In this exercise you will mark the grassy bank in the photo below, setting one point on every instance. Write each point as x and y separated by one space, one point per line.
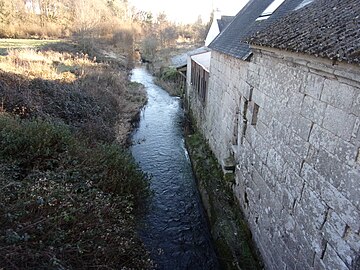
9 43
228 227
70 193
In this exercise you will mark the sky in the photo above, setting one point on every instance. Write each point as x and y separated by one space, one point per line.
187 11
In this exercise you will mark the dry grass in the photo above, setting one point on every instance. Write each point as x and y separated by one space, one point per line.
95 98
33 30
47 65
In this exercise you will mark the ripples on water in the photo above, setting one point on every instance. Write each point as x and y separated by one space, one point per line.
176 230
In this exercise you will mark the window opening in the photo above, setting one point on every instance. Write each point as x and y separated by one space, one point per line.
236 127
270 10
244 119
255 114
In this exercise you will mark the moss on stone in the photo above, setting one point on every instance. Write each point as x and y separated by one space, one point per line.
229 230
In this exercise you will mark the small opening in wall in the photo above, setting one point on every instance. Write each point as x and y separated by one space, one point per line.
246 199
255 114
236 127
244 119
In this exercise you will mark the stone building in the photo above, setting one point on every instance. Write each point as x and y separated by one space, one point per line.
187 62
180 63
287 110
218 25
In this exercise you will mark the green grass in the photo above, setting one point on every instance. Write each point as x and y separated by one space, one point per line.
9 43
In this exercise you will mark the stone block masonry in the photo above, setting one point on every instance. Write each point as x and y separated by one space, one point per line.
294 133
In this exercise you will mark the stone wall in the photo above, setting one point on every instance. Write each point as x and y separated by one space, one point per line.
217 117
292 124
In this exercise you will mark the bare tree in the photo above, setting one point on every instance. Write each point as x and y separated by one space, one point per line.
199 30
119 9
149 46
10 10
88 14
170 34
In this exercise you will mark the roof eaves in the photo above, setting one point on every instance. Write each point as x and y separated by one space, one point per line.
310 31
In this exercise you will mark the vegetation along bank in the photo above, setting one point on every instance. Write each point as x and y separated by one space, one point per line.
229 229
70 193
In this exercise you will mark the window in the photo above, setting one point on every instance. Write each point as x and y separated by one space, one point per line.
270 10
236 127
203 88
254 114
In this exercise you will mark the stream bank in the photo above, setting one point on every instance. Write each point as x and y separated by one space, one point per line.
70 194
228 228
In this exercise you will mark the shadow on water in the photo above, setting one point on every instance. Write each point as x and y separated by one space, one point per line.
176 230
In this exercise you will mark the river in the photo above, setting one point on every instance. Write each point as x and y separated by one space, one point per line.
176 230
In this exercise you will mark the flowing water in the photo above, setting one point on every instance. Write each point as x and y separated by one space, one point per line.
176 230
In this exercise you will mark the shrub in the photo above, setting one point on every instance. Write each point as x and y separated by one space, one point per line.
41 145
33 144
168 79
169 74
64 205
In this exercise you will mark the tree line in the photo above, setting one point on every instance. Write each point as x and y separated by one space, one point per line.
115 20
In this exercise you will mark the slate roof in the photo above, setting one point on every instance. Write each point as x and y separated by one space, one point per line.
224 21
232 40
324 28
181 60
